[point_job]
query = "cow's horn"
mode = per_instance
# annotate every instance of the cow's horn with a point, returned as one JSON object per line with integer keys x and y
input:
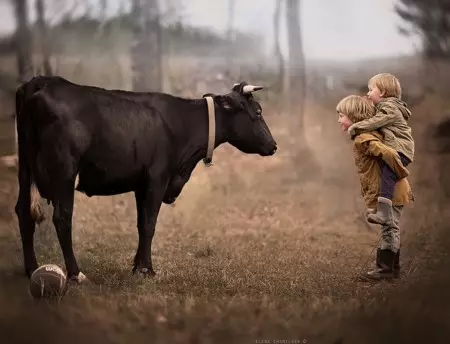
{"x": 250, "y": 88}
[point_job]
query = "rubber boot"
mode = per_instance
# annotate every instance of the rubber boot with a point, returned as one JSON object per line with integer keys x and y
{"x": 385, "y": 266}
{"x": 397, "y": 264}
{"x": 384, "y": 215}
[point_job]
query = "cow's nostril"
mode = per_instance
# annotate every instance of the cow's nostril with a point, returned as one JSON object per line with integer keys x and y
{"x": 274, "y": 149}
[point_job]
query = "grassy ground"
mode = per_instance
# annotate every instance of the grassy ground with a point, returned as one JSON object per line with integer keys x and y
{"x": 254, "y": 249}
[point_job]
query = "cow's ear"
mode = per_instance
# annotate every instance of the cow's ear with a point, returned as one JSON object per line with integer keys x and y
{"x": 225, "y": 102}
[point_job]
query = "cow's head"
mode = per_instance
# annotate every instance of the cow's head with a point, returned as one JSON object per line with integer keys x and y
{"x": 244, "y": 124}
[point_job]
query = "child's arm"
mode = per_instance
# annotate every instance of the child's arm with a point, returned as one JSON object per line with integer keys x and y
{"x": 382, "y": 118}
{"x": 376, "y": 148}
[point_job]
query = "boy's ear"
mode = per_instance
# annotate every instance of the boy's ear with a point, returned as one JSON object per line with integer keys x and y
{"x": 382, "y": 93}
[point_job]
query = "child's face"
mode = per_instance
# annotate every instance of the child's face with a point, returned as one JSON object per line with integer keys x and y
{"x": 375, "y": 94}
{"x": 344, "y": 121}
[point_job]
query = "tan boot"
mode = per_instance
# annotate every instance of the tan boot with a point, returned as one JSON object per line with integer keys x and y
{"x": 383, "y": 216}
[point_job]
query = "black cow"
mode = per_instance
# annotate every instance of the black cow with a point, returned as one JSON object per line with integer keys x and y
{"x": 117, "y": 142}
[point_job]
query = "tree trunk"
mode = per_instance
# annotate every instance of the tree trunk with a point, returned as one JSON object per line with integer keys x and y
{"x": 43, "y": 37}
{"x": 23, "y": 41}
{"x": 146, "y": 50}
{"x": 296, "y": 92}
{"x": 296, "y": 74}
{"x": 230, "y": 36}
{"x": 278, "y": 53}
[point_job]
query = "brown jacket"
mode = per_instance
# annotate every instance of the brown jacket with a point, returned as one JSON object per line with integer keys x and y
{"x": 367, "y": 149}
{"x": 391, "y": 118}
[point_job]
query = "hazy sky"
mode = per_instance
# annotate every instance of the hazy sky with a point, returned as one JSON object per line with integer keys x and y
{"x": 332, "y": 29}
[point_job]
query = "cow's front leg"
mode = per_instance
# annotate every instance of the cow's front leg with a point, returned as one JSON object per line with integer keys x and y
{"x": 148, "y": 204}
{"x": 173, "y": 190}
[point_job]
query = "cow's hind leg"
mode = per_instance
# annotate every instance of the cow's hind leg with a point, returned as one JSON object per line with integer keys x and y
{"x": 27, "y": 224}
{"x": 62, "y": 219}
{"x": 60, "y": 159}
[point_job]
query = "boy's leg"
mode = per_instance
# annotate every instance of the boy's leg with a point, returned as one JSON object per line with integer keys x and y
{"x": 383, "y": 216}
{"x": 389, "y": 178}
{"x": 397, "y": 212}
{"x": 388, "y": 254}
{"x": 390, "y": 235}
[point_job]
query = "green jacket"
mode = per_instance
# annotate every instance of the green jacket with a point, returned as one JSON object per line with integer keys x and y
{"x": 391, "y": 119}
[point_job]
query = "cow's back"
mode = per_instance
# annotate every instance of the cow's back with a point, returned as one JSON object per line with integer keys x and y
{"x": 112, "y": 141}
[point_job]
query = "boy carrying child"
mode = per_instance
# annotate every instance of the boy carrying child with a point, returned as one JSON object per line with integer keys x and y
{"x": 391, "y": 119}
{"x": 368, "y": 151}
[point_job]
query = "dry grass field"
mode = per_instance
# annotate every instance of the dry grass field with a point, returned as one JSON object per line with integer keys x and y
{"x": 254, "y": 250}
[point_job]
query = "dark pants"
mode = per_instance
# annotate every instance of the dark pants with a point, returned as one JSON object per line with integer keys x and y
{"x": 389, "y": 177}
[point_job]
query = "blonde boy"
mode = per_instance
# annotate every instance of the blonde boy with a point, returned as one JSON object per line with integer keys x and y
{"x": 391, "y": 118}
{"x": 368, "y": 149}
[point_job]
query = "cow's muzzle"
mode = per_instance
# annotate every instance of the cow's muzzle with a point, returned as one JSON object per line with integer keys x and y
{"x": 271, "y": 150}
{"x": 274, "y": 150}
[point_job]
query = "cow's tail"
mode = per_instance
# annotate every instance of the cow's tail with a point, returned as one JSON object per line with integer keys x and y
{"x": 27, "y": 144}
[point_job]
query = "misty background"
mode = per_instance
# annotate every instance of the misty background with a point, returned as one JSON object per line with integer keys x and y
{"x": 300, "y": 51}
{"x": 332, "y": 30}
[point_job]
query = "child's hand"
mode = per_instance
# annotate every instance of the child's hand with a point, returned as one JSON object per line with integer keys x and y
{"x": 351, "y": 132}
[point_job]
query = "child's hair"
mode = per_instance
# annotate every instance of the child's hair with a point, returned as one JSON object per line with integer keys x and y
{"x": 356, "y": 108}
{"x": 386, "y": 83}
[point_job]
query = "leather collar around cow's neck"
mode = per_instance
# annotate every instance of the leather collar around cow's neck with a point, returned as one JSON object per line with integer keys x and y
{"x": 211, "y": 131}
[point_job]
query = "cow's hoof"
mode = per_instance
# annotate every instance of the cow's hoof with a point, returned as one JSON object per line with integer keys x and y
{"x": 145, "y": 272}
{"x": 79, "y": 279}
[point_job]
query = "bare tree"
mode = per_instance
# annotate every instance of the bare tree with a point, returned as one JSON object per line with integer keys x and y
{"x": 278, "y": 53}
{"x": 296, "y": 89}
{"x": 147, "y": 48}
{"x": 296, "y": 72}
{"x": 230, "y": 36}
{"x": 43, "y": 37}
{"x": 23, "y": 41}
{"x": 430, "y": 20}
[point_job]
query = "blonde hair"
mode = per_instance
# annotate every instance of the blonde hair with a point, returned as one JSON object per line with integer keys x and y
{"x": 386, "y": 83}
{"x": 356, "y": 108}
